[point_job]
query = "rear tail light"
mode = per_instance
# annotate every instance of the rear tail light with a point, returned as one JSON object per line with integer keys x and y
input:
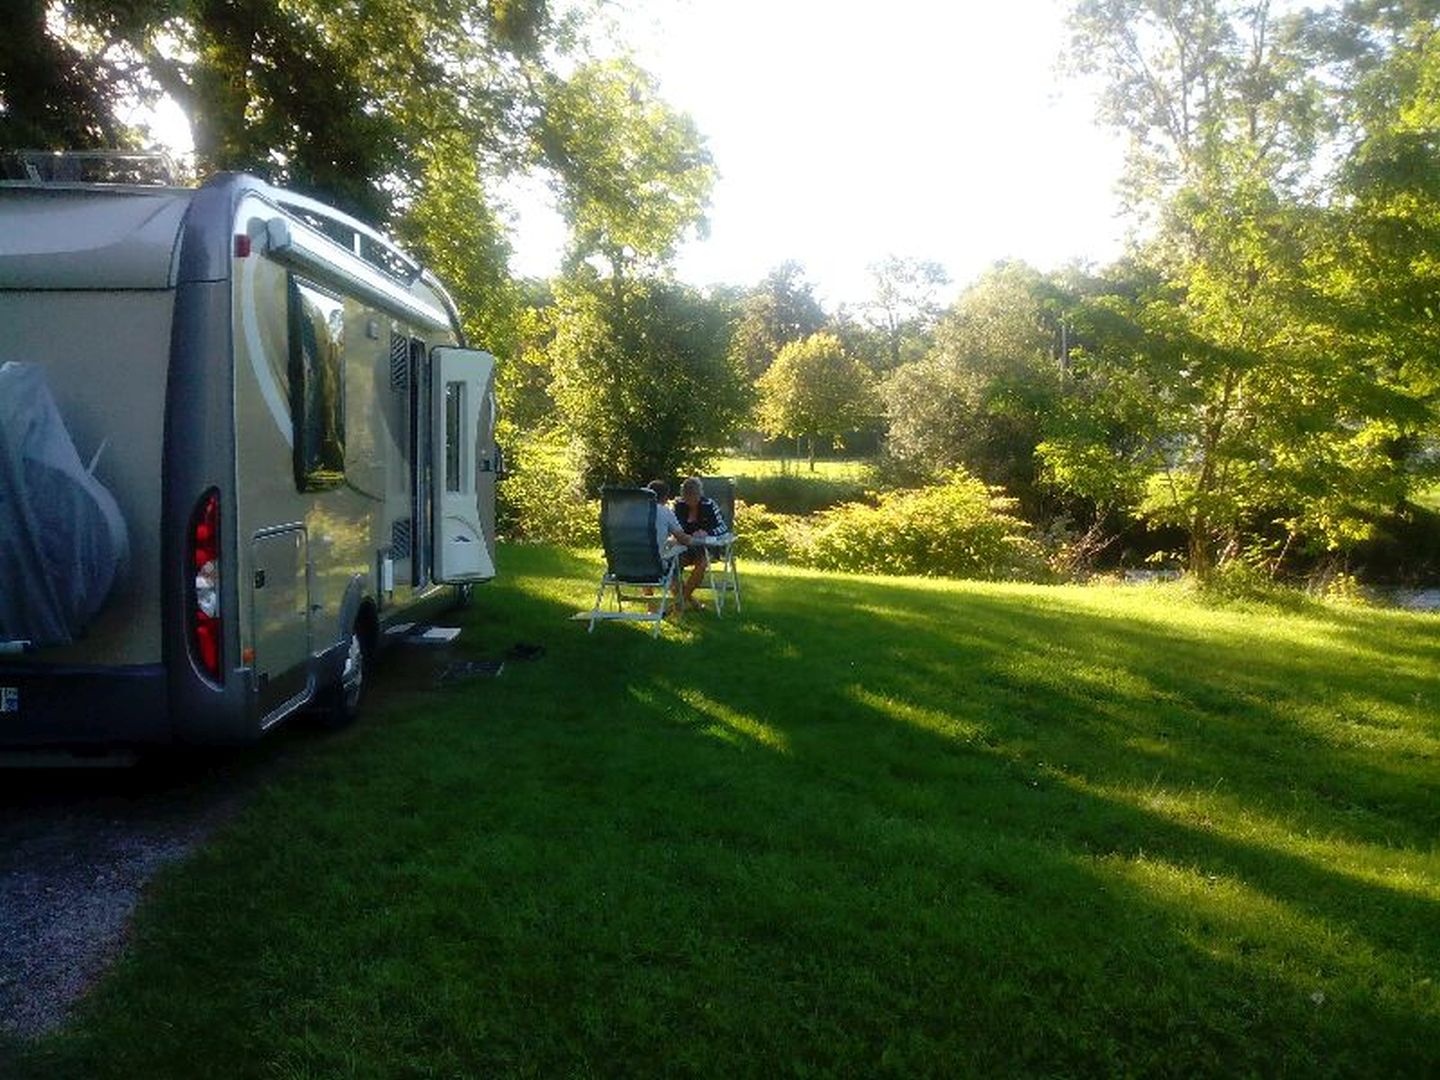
{"x": 205, "y": 623}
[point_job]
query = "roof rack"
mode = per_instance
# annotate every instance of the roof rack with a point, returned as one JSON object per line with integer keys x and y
{"x": 128, "y": 167}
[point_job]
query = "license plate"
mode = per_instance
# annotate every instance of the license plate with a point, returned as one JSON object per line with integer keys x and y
{"x": 9, "y": 699}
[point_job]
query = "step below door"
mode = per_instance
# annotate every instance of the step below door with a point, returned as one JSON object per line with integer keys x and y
{"x": 463, "y": 403}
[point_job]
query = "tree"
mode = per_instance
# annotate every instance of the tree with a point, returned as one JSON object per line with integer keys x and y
{"x": 814, "y": 388}
{"x": 643, "y": 379}
{"x": 1376, "y": 261}
{"x": 976, "y": 398}
{"x": 1257, "y": 415}
{"x": 402, "y": 113}
{"x": 632, "y": 175}
{"x": 379, "y": 109}
{"x": 1205, "y": 89}
{"x": 455, "y": 231}
{"x": 779, "y": 310}
{"x": 52, "y": 95}
{"x": 905, "y": 305}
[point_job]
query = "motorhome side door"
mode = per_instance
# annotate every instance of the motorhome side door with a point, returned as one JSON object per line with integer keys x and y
{"x": 463, "y": 414}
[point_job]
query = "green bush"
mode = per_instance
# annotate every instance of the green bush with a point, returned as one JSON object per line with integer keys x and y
{"x": 540, "y": 500}
{"x": 960, "y": 528}
{"x": 768, "y": 536}
{"x": 1244, "y": 583}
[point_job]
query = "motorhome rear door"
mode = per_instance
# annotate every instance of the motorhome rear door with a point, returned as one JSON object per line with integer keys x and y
{"x": 463, "y": 412}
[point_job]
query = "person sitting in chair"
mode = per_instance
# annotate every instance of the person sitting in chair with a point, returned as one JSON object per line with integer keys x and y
{"x": 699, "y": 517}
{"x": 667, "y": 525}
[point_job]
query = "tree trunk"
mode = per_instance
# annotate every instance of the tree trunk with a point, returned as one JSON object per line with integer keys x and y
{"x": 1201, "y": 562}
{"x": 811, "y": 440}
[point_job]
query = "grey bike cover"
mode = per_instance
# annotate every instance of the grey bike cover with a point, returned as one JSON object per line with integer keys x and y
{"x": 63, "y": 542}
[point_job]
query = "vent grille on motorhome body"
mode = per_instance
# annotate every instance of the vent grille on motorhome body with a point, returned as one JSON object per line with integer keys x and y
{"x": 399, "y": 362}
{"x": 400, "y": 539}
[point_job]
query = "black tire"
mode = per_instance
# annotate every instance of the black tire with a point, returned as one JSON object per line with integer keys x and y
{"x": 340, "y": 705}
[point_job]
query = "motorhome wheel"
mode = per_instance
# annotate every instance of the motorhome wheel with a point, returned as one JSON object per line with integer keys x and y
{"x": 352, "y": 680}
{"x": 340, "y": 704}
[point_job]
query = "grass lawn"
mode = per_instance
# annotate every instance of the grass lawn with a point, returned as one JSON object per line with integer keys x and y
{"x": 825, "y": 468}
{"x": 872, "y": 827}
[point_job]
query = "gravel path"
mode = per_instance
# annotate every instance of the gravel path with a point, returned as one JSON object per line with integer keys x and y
{"x": 77, "y": 848}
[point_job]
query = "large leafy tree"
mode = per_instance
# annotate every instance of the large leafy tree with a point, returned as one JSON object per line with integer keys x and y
{"x": 1377, "y": 265}
{"x": 406, "y": 113}
{"x": 976, "y": 398}
{"x": 402, "y": 113}
{"x": 905, "y": 306}
{"x": 335, "y": 106}
{"x": 781, "y": 309}
{"x": 1206, "y": 90}
{"x": 1261, "y": 413}
{"x": 815, "y": 388}
{"x": 633, "y": 177}
{"x": 53, "y": 94}
{"x": 643, "y": 378}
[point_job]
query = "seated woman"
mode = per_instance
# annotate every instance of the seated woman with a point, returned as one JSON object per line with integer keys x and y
{"x": 699, "y": 517}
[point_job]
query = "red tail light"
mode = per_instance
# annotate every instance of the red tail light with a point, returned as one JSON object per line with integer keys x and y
{"x": 205, "y": 623}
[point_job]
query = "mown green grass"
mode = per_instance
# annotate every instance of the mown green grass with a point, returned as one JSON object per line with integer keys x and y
{"x": 873, "y": 827}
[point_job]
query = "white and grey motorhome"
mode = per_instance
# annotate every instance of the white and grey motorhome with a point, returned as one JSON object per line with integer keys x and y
{"x": 240, "y": 437}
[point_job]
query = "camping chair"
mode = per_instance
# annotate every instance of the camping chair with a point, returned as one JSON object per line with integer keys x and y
{"x": 633, "y": 558}
{"x": 721, "y": 577}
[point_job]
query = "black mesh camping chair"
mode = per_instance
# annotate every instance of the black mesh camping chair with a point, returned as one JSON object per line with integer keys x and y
{"x": 634, "y": 560}
{"x": 721, "y": 577}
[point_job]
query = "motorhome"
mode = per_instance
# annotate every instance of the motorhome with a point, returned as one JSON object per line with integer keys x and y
{"x": 242, "y": 439}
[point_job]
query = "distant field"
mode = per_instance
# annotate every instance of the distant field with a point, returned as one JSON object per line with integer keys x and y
{"x": 874, "y": 827}
{"x": 1430, "y": 499}
{"x": 824, "y": 470}
{"x": 789, "y": 487}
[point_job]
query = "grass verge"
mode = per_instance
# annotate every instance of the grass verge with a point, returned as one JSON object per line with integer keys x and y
{"x": 873, "y": 826}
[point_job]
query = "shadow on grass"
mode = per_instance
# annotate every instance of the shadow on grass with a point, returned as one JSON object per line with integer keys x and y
{"x": 864, "y": 829}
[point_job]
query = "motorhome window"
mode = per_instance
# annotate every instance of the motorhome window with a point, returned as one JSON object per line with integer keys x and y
{"x": 338, "y": 231}
{"x": 387, "y": 260}
{"x": 317, "y": 386}
{"x": 454, "y": 403}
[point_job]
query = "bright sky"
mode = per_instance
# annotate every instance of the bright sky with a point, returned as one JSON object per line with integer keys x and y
{"x": 845, "y": 132}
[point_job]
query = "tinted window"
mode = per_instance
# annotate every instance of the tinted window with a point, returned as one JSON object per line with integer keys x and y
{"x": 317, "y": 386}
